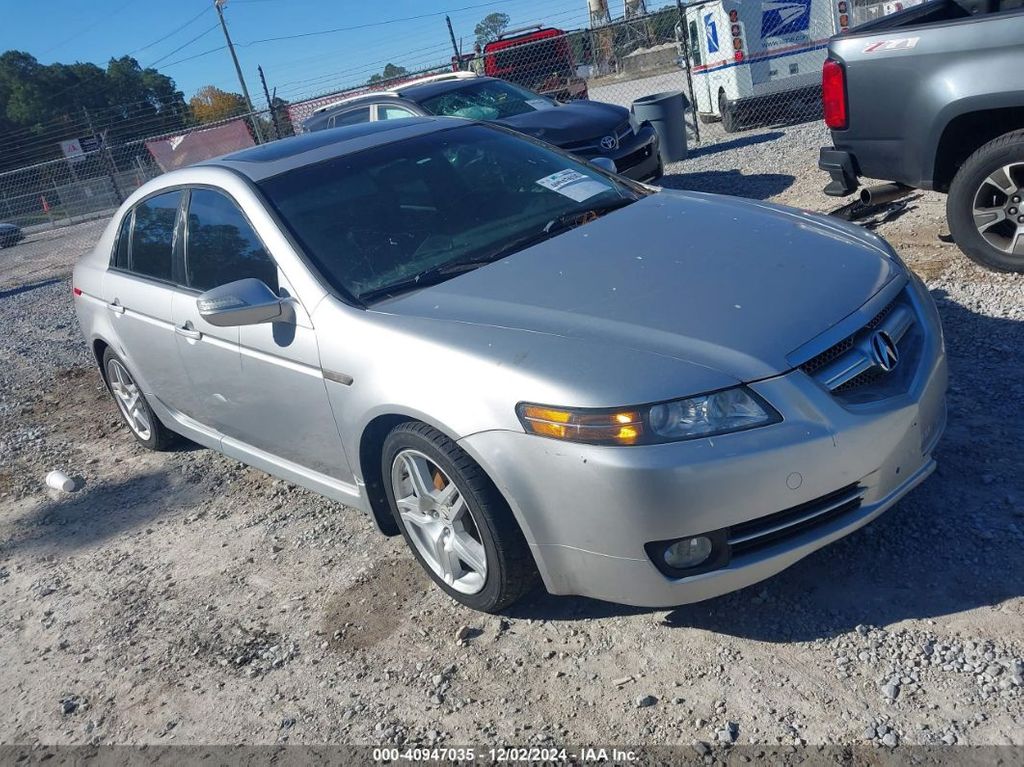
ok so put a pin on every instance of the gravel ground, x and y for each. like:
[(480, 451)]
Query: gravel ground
[(186, 598)]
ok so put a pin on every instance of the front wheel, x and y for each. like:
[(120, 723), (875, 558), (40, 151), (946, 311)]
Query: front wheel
[(985, 209), (454, 520), (729, 122)]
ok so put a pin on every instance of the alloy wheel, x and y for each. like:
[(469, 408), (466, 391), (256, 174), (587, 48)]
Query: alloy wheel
[(439, 521), (129, 399), (998, 211)]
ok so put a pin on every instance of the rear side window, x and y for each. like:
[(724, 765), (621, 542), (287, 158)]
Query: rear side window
[(354, 117), (123, 235), (221, 246), (153, 236)]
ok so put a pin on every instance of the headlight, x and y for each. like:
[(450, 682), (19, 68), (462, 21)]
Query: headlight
[(705, 415)]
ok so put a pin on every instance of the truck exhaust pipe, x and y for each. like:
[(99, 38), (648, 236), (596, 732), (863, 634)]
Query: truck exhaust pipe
[(883, 193)]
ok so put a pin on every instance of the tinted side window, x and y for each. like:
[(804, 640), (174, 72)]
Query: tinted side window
[(221, 247), (153, 235), (354, 117), (121, 248), (390, 112)]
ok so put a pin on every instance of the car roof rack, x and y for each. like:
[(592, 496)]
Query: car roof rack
[(350, 99), (439, 78), (393, 93)]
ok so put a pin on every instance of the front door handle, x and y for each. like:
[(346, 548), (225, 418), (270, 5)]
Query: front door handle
[(188, 331), (115, 307)]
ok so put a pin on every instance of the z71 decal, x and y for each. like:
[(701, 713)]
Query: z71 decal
[(901, 44)]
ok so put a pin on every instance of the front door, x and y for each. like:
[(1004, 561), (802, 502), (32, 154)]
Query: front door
[(258, 384)]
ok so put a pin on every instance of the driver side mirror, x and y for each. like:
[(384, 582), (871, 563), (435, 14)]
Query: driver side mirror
[(604, 163), (243, 302)]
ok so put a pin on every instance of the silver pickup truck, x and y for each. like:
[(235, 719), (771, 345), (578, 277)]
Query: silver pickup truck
[(933, 98)]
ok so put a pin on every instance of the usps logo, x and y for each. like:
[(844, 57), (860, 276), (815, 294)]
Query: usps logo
[(711, 32), (785, 17)]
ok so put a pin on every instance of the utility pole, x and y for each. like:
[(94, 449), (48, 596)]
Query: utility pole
[(270, 101), (219, 5), (455, 47), (107, 158)]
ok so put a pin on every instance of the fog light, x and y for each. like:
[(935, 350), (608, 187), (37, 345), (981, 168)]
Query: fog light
[(688, 552)]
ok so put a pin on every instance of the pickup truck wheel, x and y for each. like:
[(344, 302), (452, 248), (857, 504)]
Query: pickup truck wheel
[(457, 524), (985, 207)]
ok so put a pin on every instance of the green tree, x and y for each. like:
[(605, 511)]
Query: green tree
[(490, 27), (391, 72)]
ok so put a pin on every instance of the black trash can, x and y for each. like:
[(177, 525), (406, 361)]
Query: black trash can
[(665, 112)]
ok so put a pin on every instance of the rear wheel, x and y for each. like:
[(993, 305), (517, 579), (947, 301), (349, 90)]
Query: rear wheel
[(454, 519), (137, 415), (985, 207)]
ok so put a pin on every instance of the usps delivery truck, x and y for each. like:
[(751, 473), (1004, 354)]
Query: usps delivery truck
[(752, 60)]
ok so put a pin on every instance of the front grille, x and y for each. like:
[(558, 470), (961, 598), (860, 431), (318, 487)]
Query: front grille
[(756, 534), (851, 369), (834, 352)]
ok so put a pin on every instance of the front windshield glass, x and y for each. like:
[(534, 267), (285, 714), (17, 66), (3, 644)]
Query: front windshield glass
[(487, 100), (388, 215)]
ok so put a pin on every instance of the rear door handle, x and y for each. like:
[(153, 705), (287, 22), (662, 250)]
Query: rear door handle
[(115, 307), (188, 332)]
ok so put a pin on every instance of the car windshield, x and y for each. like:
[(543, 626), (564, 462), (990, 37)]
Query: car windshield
[(487, 100), (388, 216)]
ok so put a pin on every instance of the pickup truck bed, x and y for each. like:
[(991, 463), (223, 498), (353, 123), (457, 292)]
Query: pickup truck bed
[(922, 91)]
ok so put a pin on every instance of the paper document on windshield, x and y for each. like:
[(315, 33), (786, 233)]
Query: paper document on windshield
[(573, 184)]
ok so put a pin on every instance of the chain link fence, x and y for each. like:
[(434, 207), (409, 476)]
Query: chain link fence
[(94, 177), (741, 64)]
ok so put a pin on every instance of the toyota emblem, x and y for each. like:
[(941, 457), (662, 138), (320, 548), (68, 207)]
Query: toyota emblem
[(609, 142), (884, 350)]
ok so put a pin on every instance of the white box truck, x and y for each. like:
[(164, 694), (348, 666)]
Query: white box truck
[(754, 60)]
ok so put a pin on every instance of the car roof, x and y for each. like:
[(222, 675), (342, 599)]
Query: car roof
[(262, 162), (429, 90)]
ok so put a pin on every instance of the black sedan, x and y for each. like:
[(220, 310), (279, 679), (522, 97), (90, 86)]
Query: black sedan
[(10, 235), (588, 129)]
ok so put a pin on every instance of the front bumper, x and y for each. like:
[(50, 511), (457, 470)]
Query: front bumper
[(589, 511), (636, 157)]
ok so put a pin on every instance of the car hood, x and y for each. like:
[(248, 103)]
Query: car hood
[(724, 283), (570, 123)]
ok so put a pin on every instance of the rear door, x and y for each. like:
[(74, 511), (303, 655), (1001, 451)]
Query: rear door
[(139, 290), (702, 33)]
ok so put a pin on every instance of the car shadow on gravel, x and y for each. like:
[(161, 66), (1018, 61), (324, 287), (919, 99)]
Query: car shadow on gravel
[(756, 186), (101, 511), (951, 545), (704, 150)]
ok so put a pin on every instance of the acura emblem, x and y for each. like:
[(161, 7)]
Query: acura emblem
[(609, 142), (884, 350)]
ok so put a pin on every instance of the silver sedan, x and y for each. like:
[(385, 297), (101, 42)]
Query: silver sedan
[(527, 366)]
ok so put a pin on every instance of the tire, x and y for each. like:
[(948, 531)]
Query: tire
[(157, 436), (971, 187), (510, 569), (729, 122)]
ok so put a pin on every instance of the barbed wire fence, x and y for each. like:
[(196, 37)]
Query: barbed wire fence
[(741, 66)]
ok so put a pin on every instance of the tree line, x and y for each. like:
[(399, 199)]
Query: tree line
[(43, 104)]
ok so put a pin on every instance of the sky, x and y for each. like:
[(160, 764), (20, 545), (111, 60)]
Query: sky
[(306, 47)]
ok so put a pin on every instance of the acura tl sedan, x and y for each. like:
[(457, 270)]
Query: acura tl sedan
[(527, 366)]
